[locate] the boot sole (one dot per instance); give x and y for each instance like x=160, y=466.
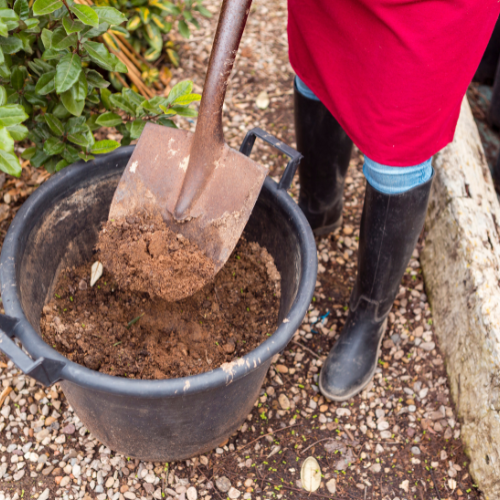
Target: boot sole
x=322, y=231
x=356, y=391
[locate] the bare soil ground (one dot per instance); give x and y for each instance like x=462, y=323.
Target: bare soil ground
x=399, y=439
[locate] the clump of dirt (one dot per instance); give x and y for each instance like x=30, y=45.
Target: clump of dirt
x=128, y=334
x=144, y=255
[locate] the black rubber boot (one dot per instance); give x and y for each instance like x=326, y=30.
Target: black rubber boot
x=390, y=226
x=327, y=152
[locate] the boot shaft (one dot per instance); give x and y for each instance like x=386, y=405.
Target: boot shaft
x=389, y=231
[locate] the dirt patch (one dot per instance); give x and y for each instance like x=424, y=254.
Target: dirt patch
x=144, y=255
x=128, y=334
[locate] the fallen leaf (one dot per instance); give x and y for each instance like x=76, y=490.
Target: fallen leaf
x=310, y=474
x=262, y=101
x=95, y=272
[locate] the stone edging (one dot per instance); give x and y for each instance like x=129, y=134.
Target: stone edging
x=461, y=264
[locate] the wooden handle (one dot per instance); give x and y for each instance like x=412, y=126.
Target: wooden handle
x=208, y=141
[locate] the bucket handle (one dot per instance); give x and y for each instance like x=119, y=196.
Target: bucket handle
x=45, y=370
x=295, y=156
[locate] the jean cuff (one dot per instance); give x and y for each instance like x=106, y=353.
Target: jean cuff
x=396, y=180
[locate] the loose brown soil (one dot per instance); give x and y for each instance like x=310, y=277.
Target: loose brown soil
x=144, y=255
x=128, y=334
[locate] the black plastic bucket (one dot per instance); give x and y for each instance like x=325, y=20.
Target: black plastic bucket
x=147, y=419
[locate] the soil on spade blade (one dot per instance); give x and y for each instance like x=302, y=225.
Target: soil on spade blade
x=128, y=334
x=144, y=255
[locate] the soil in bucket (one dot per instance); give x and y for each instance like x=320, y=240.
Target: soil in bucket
x=131, y=333
x=143, y=254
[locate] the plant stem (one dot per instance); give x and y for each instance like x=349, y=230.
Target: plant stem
x=69, y=12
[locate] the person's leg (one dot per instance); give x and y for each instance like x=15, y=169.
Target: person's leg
x=393, y=216
x=327, y=152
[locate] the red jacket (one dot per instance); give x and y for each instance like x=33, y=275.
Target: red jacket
x=392, y=72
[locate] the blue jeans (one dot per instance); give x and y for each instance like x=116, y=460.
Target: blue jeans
x=384, y=178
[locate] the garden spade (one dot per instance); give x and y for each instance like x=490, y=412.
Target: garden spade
x=203, y=189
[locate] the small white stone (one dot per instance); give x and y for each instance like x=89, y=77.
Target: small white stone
x=331, y=486
x=233, y=493
x=150, y=478
x=95, y=272
x=191, y=493
x=44, y=495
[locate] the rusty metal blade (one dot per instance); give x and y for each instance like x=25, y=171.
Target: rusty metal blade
x=153, y=180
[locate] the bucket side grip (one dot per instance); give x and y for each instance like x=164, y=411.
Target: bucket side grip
x=45, y=370
x=295, y=156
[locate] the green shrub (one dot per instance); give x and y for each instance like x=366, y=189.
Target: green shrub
x=150, y=20
x=52, y=88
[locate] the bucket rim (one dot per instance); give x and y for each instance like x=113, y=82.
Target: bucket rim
x=13, y=253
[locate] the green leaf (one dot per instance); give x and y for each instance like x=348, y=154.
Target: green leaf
x=2, y=57
x=185, y=100
x=17, y=78
x=39, y=158
x=203, y=11
x=133, y=23
x=10, y=45
x=22, y=9
x=31, y=25
x=152, y=54
x=144, y=13
x=174, y=57
x=86, y=14
x=100, y=55
x=12, y=114
x=6, y=140
x=105, y=96
x=3, y=95
x=9, y=163
x=118, y=101
x=89, y=33
x=79, y=140
x=182, y=88
x=28, y=153
x=110, y=15
x=44, y=7
x=188, y=112
x=61, y=164
x=80, y=89
x=27, y=41
x=136, y=128
x=46, y=38
x=166, y=122
x=53, y=146
x=183, y=29
x=8, y=15
x=54, y=124
x=85, y=157
x=95, y=79
x=61, y=40
x=67, y=72
x=70, y=154
x=76, y=125
x=33, y=98
x=18, y=132
x=106, y=146
x=153, y=36
x=109, y=120
x=153, y=105
x=132, y=97
x=4, y=31
x=72, y=25
x=51, y=54
x=46, y=84
x=50, y=164
x=71, y=104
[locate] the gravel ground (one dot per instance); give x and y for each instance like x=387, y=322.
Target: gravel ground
x=400, y=439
